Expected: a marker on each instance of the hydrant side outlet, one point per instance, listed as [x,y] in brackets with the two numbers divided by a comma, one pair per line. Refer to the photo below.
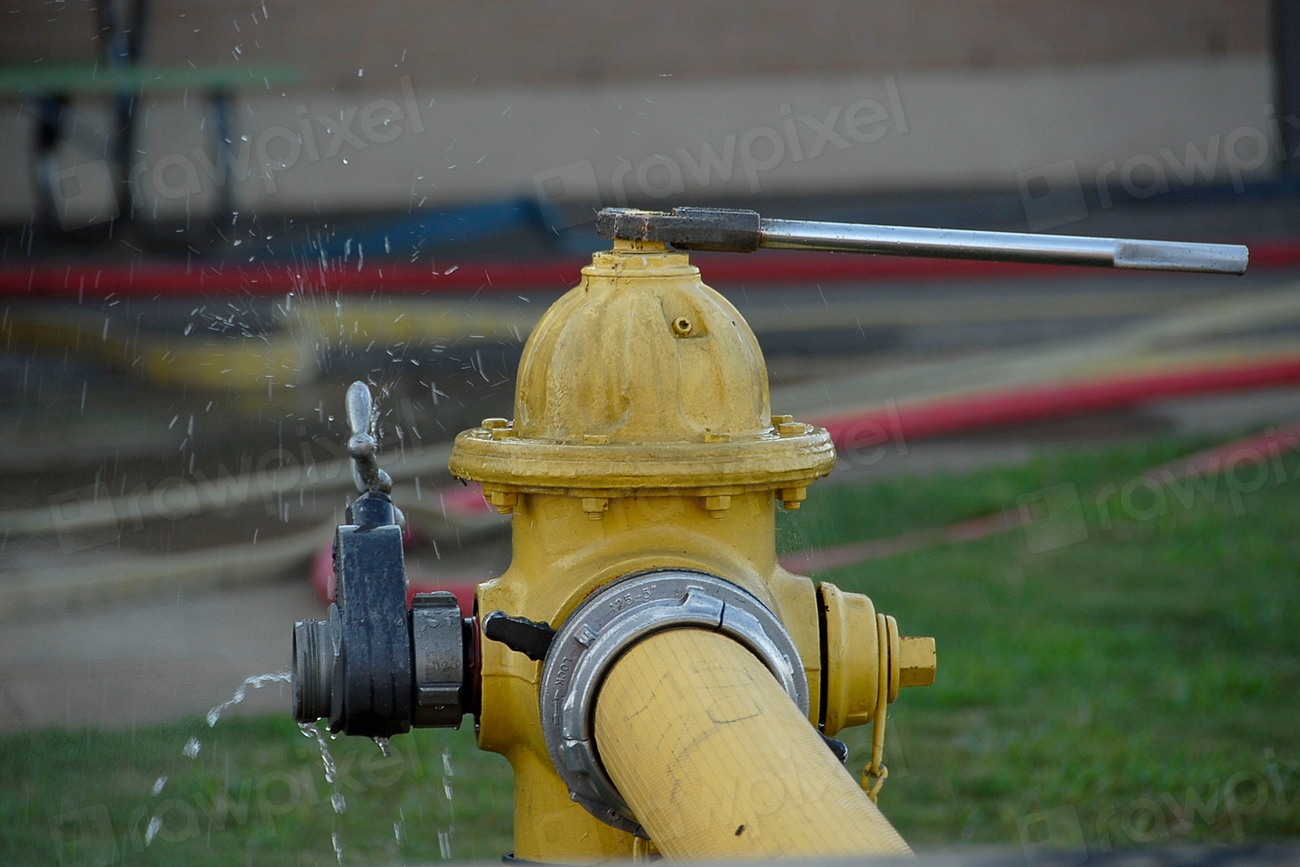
[376,668]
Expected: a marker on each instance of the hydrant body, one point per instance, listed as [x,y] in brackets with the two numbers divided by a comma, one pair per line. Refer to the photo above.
[651,672]
[643,440]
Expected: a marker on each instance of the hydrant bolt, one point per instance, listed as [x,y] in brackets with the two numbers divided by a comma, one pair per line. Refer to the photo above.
[792,498]
[503,501]
[917,664]
[717,506]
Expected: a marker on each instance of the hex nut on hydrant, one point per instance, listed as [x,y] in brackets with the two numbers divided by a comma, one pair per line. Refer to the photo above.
[916,662]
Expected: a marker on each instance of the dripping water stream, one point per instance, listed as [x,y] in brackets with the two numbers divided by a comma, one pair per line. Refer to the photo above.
[337,801]
[193,745]
[313,731]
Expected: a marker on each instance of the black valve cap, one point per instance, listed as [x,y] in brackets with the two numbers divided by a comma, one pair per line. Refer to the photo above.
[519,634]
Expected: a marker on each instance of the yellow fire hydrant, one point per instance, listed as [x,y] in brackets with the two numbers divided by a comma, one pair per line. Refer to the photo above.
[679,704]
[656,679]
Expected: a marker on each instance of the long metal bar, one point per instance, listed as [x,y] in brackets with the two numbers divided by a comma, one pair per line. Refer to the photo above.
[1004,246]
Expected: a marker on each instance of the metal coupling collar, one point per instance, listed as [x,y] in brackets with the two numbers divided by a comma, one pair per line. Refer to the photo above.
[611,621]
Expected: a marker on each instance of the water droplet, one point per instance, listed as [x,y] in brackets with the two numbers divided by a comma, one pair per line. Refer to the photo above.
[155,825]
[339,803]
[337,840]
[192,747]
[444,844]
[256,682]
[327,759]
[158,785]
[384,748]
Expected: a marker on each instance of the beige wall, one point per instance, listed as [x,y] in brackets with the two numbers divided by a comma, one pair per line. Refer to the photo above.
[619,101]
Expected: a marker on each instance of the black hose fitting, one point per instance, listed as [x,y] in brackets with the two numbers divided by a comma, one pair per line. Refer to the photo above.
[375,668]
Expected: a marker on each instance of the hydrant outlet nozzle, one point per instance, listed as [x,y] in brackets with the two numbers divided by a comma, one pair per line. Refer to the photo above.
[375,668]
[313,661]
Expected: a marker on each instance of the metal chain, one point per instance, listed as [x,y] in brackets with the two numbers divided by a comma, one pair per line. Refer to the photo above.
[875,774]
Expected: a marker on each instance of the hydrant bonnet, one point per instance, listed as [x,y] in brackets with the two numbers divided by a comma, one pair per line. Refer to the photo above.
[641,378]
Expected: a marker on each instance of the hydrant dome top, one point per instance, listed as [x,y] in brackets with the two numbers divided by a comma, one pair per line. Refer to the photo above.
[639,352]
[641,377]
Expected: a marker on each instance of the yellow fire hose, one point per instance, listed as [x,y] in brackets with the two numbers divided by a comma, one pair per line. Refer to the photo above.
[717,762]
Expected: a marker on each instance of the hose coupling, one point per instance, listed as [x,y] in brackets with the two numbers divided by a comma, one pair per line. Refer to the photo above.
[610,621]
[375,668]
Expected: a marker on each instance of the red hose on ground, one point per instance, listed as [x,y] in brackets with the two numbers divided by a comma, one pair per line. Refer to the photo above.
[89,280]
[1262,451]
[948,416]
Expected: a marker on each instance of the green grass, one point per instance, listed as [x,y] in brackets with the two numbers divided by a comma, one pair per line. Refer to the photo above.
[1084,691]
[255,794]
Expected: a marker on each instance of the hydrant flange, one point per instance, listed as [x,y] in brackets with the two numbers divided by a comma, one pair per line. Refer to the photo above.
[612,620]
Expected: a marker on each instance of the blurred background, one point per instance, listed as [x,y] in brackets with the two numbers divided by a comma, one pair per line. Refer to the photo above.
[215,215]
